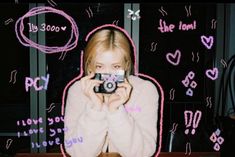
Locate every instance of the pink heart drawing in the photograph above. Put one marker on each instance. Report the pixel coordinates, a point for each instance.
(207, 41)
(63, 28)
(174, 58)
(212, 74)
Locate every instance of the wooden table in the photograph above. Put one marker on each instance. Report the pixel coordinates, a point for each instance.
(162, 154)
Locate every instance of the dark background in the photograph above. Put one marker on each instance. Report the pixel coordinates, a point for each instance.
(15, 101)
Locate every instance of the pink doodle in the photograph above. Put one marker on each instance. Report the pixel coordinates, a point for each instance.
(174, 58)
(213, 137)
(29, 121)
(186, 83)
(217, 139)
(30, 132)
(188, 116)
(191, 75)
(189, 92)
(207, 41)
(212, 74)
(19, 29)
(63, 28)
(29, 82)
(163, 27)
(193, 84)
(186, 27)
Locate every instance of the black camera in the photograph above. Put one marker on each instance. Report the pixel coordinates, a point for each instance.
(110, 81)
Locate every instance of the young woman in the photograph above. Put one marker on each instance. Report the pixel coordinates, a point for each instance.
(101, 118)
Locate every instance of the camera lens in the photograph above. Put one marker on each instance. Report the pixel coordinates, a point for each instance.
(109, 86)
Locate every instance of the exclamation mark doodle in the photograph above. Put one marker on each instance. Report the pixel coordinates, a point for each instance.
(188, 120)
(196, 120)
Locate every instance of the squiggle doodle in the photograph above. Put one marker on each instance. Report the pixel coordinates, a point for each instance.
(174, 127)
(98, 7)
(153, 49)
(172, 94)
(15, 72)
(62, 56)
(52, 3)
(8, 21)
(162, 11)
(222, 61)
(90, 13)
(208, 102)
(188, 10)
(193, 57)
(188, 146)
(9, 141)
(52, 105)
(197, 57)
(213, 24)
(115, 22)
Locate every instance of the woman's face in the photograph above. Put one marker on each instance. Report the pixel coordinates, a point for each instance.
(108, 62)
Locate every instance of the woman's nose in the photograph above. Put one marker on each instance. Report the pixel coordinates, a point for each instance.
(109, 71)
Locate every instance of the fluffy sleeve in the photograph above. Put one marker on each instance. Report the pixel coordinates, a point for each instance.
(83, 122)
(135, 136)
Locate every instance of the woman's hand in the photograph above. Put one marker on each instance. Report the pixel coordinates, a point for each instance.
(88, 84)
(121, 96)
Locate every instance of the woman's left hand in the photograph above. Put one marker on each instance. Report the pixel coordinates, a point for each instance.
(120, 96)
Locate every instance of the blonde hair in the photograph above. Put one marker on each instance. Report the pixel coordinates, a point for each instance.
(104, 40)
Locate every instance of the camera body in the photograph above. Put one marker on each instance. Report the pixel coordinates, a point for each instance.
(110, 81)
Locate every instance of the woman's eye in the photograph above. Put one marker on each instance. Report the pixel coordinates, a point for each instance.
(117, 66)
(98, 66)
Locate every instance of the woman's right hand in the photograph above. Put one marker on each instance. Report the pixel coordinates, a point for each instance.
(88, 85)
